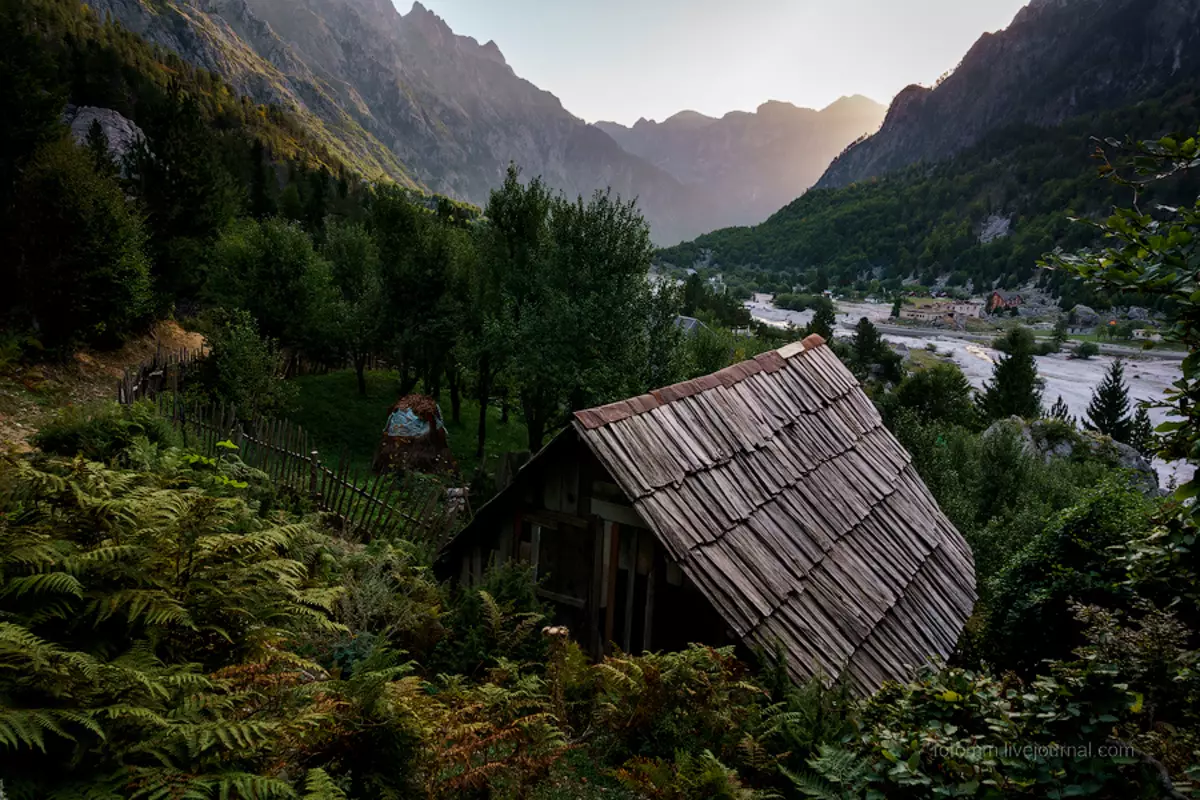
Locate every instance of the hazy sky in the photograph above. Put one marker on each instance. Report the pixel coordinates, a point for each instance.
(625, 59)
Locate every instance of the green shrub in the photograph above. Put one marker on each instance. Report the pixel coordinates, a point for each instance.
(1029, 619)
(499, 619)
(104, 433)
(244, 368)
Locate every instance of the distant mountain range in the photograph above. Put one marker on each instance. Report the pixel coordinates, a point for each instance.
(403, 96)
(973, 180)
(754, 163)
(1058, 59)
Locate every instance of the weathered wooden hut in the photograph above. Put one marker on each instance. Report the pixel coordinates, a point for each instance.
(765, 505)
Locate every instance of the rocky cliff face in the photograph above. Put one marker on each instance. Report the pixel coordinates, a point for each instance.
(756, 162)
(407, 97)
(1058, 59)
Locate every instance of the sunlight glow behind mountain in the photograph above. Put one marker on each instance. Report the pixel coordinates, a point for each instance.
(624, 59)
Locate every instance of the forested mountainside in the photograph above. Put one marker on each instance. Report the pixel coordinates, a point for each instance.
(1058, 59)
(754, 162)
(986, 215)
(411, 99)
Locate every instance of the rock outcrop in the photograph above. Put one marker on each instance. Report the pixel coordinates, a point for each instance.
(1050, 439)
(1058, 59)
(404, 96)
(122, 134)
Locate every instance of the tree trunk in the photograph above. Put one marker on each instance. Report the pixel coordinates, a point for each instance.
(504, 408)
(455, 380)
(536, 424)
(485, 388)
(360, 367)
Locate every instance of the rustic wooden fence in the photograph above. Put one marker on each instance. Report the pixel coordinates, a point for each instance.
(364, 505)
(165, 371)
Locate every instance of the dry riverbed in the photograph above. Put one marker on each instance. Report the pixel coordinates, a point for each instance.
(1073, 380)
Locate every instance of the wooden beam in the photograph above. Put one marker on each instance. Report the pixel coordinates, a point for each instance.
(630, 584)
(595, 635)
(552, 519)
(626, 515)
(648, 627)
(564, 599)
(614, 558)
(535, 549)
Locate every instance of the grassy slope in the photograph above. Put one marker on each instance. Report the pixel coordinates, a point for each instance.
(339, 420)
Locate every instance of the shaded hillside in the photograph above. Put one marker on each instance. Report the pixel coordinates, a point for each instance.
(1058, 59)
(754, 162)
(1015, 186)
(408, 97)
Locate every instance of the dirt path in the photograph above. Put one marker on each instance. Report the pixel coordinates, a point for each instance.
(30, 395)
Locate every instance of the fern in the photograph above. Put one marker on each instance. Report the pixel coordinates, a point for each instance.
(319, 786)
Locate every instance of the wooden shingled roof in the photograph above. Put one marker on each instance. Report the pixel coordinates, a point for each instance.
(776, 487)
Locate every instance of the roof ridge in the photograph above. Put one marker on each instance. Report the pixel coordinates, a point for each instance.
(768, 362)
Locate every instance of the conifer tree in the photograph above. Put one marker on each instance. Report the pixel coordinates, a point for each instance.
(1015, 389)
(823, 320)
(1060, 411)
(866, 346)
(1141, 434)
(1108, 413)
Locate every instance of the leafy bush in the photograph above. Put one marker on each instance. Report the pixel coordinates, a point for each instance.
(1029, 616)
(499, 619)
(104, 433)
(1085, 350)
(244, 368)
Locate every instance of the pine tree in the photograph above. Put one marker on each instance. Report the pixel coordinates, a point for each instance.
(1108, 413)
(1060, 411)
(1141, 434)
(96, 144)
(1015, 389)
(823, 321)
(866, 345)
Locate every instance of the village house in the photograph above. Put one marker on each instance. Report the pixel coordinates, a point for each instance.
(933, 312)
(1001, 300)
(968, 308)
(765, 506)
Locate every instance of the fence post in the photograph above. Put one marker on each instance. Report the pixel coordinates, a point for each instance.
(314, 467)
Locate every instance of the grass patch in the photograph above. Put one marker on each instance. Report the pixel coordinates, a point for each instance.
(340, 420)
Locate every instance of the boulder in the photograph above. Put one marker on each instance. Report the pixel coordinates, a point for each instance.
(1049, 439)
(122, 133)
(1082, 316)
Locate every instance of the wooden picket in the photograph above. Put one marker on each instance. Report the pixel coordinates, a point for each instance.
(361, 508)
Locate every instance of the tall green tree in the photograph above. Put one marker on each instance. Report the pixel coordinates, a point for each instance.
(824, 319)
(1141, 433)
(1154, 254)
(188, 191)
(271, 269)
(1108, 413)
(1015, 389)
(511, 247)
(360, 316)
(78, 251)
(588, 342)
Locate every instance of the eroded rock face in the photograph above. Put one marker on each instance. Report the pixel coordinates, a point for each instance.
(410, 99)
(1058, 59)
(122, 133)
(1051, 439)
